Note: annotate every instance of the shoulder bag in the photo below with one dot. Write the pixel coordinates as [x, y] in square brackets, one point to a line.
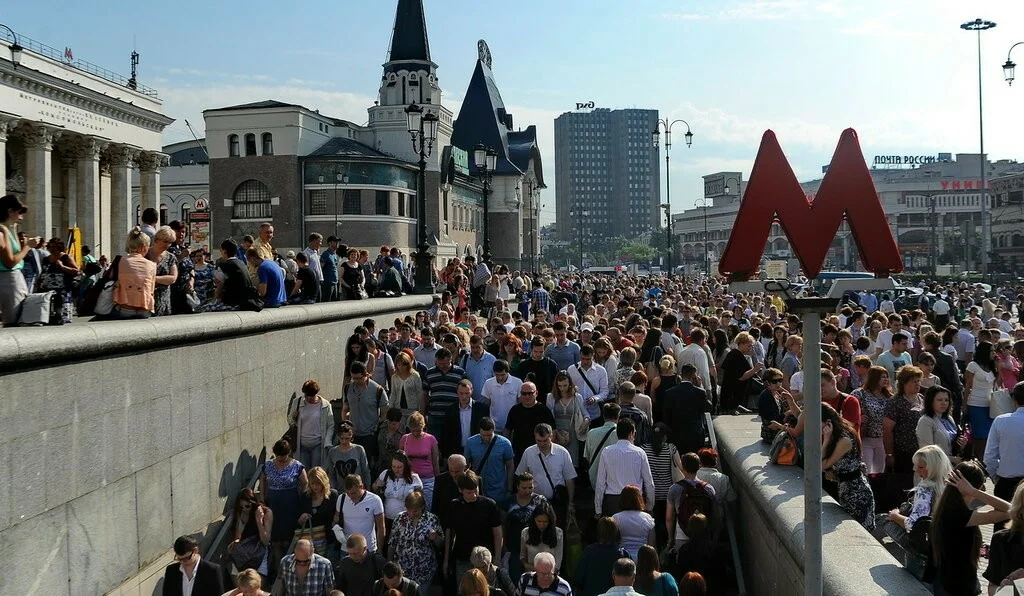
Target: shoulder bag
[560, 494]
[480, 467]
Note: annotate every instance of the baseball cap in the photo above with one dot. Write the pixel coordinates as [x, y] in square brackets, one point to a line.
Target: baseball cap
[587, 327]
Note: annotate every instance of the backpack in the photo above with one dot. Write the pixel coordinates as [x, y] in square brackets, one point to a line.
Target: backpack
[695, 499]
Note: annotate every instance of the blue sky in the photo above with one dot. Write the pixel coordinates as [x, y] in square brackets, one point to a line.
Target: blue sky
[902, 73]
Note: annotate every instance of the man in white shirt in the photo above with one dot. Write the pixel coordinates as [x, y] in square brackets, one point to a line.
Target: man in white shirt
[502, 392]
[591, 380]
[1004, 451]
[621, 465]
[941, 310]
[884, 342]
[551, 467]
[360, 512]
[695, 356]
[312, 251]
[965, 343]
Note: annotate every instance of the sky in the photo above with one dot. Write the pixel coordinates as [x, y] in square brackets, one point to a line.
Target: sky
[903, 74]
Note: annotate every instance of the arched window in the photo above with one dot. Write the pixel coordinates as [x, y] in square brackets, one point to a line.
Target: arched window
[251, 201]
[233, 150]
[268, 144]
[250, 144]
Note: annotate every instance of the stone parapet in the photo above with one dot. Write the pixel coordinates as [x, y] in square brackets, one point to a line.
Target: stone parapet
[770, 504]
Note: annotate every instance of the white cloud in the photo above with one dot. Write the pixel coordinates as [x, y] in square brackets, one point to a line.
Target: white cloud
[763, 10]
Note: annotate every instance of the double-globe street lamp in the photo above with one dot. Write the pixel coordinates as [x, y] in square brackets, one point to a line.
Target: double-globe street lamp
[664, 123]
[980, 25]
[423, 130]
[486, 160]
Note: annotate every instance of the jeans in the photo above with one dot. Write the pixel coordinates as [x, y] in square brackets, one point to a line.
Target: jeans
[328, 291]
[311, 456]
[124, 315]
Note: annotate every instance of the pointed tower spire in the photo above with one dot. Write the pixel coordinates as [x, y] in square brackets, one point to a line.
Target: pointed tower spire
[409, 37]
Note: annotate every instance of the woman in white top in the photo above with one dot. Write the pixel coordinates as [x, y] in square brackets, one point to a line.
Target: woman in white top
[406, 389]
[636, 526]
[395, 484]
[979, 378]
[605, 355]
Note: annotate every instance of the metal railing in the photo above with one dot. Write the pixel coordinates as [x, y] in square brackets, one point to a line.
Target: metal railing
[67, 58]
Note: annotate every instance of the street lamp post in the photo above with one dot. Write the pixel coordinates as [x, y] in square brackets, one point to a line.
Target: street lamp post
[668, 234]
[980, 25]
[16, 48]
[486, 160]
[423, 131]
[666, 124]
[1010, 65]
[583, 215]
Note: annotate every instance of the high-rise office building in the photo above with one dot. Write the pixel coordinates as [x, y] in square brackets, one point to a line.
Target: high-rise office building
[605, 167]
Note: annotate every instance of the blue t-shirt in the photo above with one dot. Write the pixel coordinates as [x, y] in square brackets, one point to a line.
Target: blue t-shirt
[564, 356]
[495, 480]
[270, 273]
[329, 266]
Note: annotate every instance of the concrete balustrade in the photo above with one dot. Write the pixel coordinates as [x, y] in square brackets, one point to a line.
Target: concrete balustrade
[770, 504]
[116, 437]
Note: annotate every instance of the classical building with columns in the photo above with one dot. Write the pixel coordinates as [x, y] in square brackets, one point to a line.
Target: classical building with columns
[71, 134]
[304, 171]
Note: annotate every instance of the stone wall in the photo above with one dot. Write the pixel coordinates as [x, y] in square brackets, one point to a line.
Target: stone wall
[770, 527]
[117, 437]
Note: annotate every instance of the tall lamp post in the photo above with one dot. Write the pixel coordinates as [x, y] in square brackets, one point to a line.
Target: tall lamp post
[16, 48]
[423, 131]
[980, 25]
[582, 215]
[666, 124]
[668, 235]
[1010, 65]
[486, 160]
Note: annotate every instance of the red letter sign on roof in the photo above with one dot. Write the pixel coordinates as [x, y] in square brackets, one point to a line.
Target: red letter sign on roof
[773, 193]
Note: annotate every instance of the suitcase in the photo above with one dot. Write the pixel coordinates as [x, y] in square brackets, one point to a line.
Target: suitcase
[43, 308]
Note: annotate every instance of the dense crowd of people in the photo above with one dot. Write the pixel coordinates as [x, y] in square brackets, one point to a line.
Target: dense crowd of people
[479, 444]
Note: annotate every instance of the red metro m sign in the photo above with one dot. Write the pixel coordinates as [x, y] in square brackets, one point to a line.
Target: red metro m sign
[774, 195]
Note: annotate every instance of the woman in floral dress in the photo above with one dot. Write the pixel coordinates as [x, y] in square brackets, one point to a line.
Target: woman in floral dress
[416, 536]
[840, 458]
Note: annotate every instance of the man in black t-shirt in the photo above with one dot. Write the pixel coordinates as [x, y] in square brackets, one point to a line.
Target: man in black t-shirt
[306, 289]
[524, 417]
[472, 521]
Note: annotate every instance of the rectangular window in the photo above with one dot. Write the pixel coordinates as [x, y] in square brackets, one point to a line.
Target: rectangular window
[318, 202]
[250, 144]
[351, 203]
[383, 203]
[402, 198]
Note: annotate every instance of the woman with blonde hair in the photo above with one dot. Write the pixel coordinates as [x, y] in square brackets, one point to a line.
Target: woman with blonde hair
[665, 380]
[406, 388]
[166, 269]
[738, 368]
[248, 583]
[136, 280]
[317, 506]
[932, 467]
[422, 451]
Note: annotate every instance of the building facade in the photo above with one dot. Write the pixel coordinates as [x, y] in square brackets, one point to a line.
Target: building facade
[184, 190]
[605, 167]
[71, 136]
[934, 212]
[307, 172]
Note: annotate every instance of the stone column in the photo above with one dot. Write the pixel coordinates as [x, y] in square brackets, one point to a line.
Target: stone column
[39, 178]
[87, 190]
[68, 166]
[121, 217]
[6, 126]
[149, 179]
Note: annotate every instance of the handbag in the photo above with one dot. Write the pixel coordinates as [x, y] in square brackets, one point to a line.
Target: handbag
[559, 494]
[105, 299]
[784, 450]
[315, 534]
[1000, 403]
[248, 553]
[580, 423]
[192, 301]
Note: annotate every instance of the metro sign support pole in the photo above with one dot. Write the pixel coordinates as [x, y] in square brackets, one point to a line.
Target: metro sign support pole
[773, 194]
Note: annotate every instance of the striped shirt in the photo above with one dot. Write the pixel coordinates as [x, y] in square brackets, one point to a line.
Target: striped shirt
[661, 469]
[528, 586]
[621, 465]
[442, 388]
